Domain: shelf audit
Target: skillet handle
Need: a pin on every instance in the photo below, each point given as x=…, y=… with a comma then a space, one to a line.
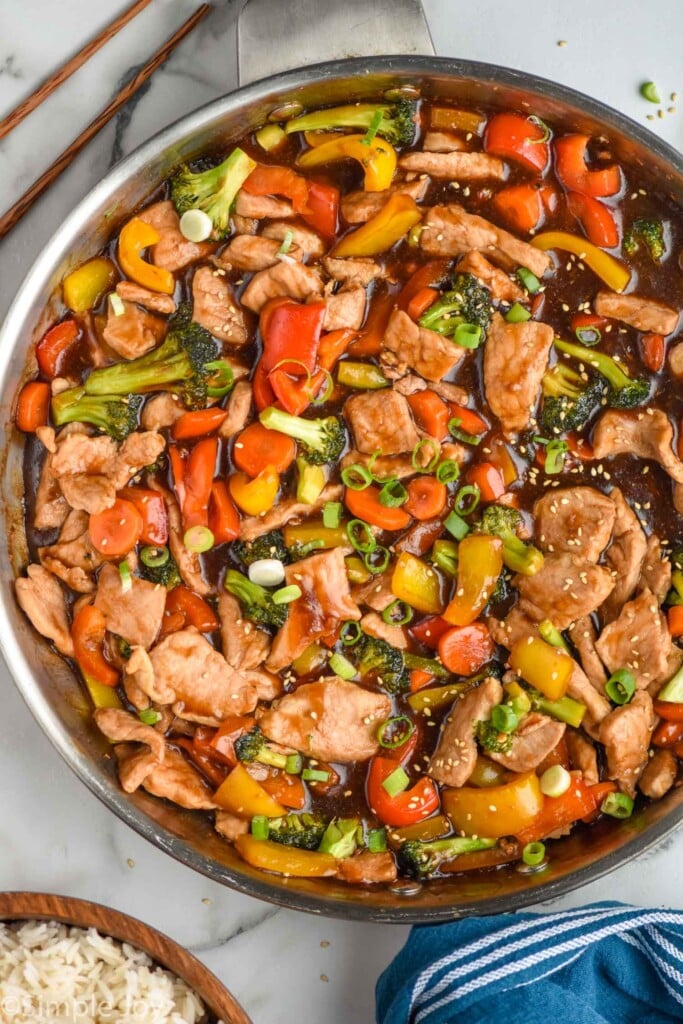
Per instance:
x=277, y=35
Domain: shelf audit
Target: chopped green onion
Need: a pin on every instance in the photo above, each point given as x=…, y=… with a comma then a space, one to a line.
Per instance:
x=552, y=635
x=314, y=775
x=285, y=595
x=325, y=395
x=361, y=536
x=517, y=314
x=377, y=840
x=356, y=477
x=195, y=225
x=371, y=466
x=294, y=764
x=534, y=119
x=504, y=719
x=461, y=504
x=350, y=634
x=555, y=454
x=445, y=556
x=117, y=305
x=342, y=667
x=332, y=514
x=311, y=545
x=397, y=782
x=369, y=136
x=222, y=378
x=447, y=472
x=149, y=716
x=461, y=435
x=259, y=826
x=414, y=235
x=588, y=336
x=456, y=526
x=650, y=92
x=395, y=732
x=198, y=539
x=617, y=805
x=426, y=441
x=533, y=854
x=126, y=577
x=620, y=686
x=393, y=494
x=468, y=335
x=286, y=243
x=529, y=280
x=555, y=781
x=400, y=609
x=154, y=558
x=376, y=560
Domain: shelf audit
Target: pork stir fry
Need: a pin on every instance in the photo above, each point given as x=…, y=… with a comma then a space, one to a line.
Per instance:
x=353, y=482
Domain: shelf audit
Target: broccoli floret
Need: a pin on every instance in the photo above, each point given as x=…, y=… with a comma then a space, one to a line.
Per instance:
x=466, y=302
x=185, y=361
x=384, y=664
x=321, y=440
x=116, y=415
x=649, y=231
x=503, y=522
x=422, y=859
x=493, y=739
x=304, y=831
x=252, y=746
x=269, y=545
x=214, y=190
x=397, y=125
x=569, y=399
x=257, y=603
x=623, y=392
x=341, y=837
x=167, y=575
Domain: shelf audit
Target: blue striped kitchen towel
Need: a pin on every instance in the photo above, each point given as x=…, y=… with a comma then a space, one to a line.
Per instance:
x=603, y=964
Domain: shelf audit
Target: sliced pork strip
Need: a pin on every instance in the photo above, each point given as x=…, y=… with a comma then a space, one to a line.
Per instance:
x=287, y=511
x=565, y=589
x=82, y=465
x=360, y=270
x=51, y=508
x=214, y=307
x=625, y=735
x=515, y=359
x=582, y=756
x=583, y=635
x=376, y=593
x=345, y=309
x=188, y=562
x=308, y=240
x=655, y=574
x=358, y=207
x=42, y=599
x=254, y=252
x=262, y=207
x=516, y=626
x=245, y=646
x=637, y=311
x=325, y=602
x=581, y=689
x=177, y=781
x=454, y=166
x=407, y=345
x=161, y=411
x=374, y=625
x=531, y=743
x=134, y=332
x=173, y=251
x=577, y=520
x=134, y=765
x=121, y=727
x=658, y=775
x=645, y=434
x=73, y=558
x=638, y=640
x=453, y=761
x=331, y=720
x=366, y=868
x=238, y=410
x=502, y=287
x=624, y=557
x=156, y=301
x=230, y=826
x=135, y=614
x=410, y=383
x=452, y=231
x=141, y=448
x=292, y=280
x=381, y=420
x=442, y=142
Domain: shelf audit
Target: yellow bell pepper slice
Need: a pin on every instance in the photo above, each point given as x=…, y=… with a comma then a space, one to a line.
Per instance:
x=136, y=236
x=423, y=831
x=399, y=214
x=615, y=275
x=378, y=158
x=494, y=811
x=102, y=696
x=416, y=583
x=244, y=796
x=285, y=860
x=480, y=563
x=84, y=286
x=257, y=495
x=313, y=532
x=546, y=668
x=448, y=119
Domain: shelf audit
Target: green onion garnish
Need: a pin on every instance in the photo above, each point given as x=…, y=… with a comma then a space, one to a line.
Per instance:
x=461, y=435
x=468, y=335
x=198, y=539
x=534, y=119
x=350, y=634
x=286, y=243
x=154, y=558
x=361, y=536
x=397, y=782
x=395, y=732
x=117, y=305
x=504, y=719
x=314, y=775
x=588, y=336
x=620, y=686
x=529, y=280
x=294, y=764
x=426, y=441
x=259, y=826
x=551, y=634
x=650, y=92
x=533, y=854
x=126, y=577
x=311, y=545
x=369, y=136
x=332, y=514
x=285, y=595
x=555, y=454
x=447, y=472
x=377, y=840
x=371, y=466
x=149, y=716
x=376, y=560
x=393, y=494
x=517, y=314
x=326, y=394
x=342, y=667
x=617, y=805
x=456, y=526
x=398, y=613
x=356, y=477
x=467, y=500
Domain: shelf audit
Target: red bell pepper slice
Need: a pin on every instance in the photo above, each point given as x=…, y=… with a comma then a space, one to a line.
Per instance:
x=578, y=802
x=291, y=331
x=429, y=275
x=197, y=481
x=670, y=710
x=53, y=345
x=322, y=208
x=221, y=745
x=654, y=351
x=224, y=518
x=430, y=631
x=214, y=773
x=413, y=805
x=573, y=173
x=87, y=632
x=278, y=181
x=294, y=396
x=152, y=507
x=489, y=479
x=333, y=345
x=515, y=137
x=261, y=388
x=596, y=219
x=181, y=601
x=521, y=206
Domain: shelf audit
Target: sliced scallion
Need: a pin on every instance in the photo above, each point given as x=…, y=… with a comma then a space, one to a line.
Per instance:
x=588, y=335
x=377, y=840
x=294, y=764
x=285, y=595
x=315, y=775
x=447, y=472
x=126, y=577
x=395, y=732
x=342, y=667
x=467, y=500
x=424, y=443
x=617, y=805
x=529, y=280
x=397, y=782
x=377, y=560
x=369, y=136
x=332, y=514
x=620, y=686
x=504, y=719
x=393, y=494
x=259, y=826
x=468, y=335
x=398, y=613
x=445, y=556
x=350, y=634
x=650, y=92
x=149, y=716
x=286, y=243
x=198, y=539
x=555, y=455
x=356, y=477
x=361, y=536
x=154, y=558
x=456, y=526
x=461, y=435
x=533, y=854
x=517, y=314
x=545, y=137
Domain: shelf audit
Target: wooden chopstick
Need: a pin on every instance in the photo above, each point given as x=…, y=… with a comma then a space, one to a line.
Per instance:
x=22, y=205
x=47, y=87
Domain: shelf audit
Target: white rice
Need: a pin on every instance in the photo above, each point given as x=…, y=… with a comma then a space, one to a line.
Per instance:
x=55, y=974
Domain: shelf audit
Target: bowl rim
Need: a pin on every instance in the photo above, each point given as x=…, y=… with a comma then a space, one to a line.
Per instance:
x=10, y=334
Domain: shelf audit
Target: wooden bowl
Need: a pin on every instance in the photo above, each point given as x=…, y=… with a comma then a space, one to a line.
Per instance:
x=37, y=906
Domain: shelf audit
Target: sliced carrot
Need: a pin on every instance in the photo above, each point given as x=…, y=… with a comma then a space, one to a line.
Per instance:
x=369, y=340
x=470, y=421
x=489, y=479
x=464, y=649
x=53, y=345
x=654, y=351
x=333, y=345
x=257, y=447
x=152, y=507
x=674, y=617
x=366, y=505
x=195, y=424
x=421, y=302
x=521, y=207
x=419, y=679
x=430, y=412
x=87, y=632
x=427, y=497
x=224, y=518
x=197, y=480
x=33, y=407
x=117, y=530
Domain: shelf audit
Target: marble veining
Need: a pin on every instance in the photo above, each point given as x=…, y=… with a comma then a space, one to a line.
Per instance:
x=54, y=836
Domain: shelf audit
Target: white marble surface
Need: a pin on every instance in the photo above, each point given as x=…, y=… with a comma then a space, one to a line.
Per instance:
x=54, y=836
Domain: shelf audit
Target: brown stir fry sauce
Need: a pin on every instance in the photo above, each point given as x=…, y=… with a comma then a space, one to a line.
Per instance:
x=353, y=491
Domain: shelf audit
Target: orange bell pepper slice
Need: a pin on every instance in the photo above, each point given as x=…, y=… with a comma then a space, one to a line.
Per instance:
x=495, y=811
x=257, y=495
x=135, y=237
